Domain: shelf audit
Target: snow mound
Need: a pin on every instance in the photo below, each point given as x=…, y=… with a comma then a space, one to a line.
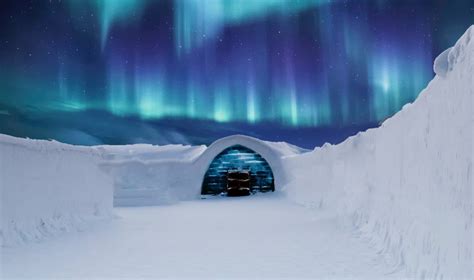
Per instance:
x=48, y=187
x=285, y=148
x=448, y=59
x=406, y=187
x=441, y=65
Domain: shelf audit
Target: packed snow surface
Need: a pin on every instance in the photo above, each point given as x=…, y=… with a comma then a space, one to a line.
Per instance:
x=262, y=236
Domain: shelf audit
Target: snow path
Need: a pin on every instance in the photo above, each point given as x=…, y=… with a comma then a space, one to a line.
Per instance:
x=263, y=236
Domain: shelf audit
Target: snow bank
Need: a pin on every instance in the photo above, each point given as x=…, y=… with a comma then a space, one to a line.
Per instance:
x=47, y=187
x=407, y=186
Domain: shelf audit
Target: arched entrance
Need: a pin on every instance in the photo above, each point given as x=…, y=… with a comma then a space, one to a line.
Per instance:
x=238, y=157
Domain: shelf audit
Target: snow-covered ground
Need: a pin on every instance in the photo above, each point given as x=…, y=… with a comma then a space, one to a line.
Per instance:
x=263, y=236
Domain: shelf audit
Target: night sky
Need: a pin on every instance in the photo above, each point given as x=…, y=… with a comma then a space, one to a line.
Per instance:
x=190, y=71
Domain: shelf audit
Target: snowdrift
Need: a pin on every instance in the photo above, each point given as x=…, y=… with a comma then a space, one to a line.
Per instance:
x=407, y=185
x=47, y=187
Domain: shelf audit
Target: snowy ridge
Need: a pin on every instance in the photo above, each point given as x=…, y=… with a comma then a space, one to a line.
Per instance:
x=286, y=149
x=448, y=59
x=48, y=187
x=406, y=187
x=44, y=145
x=148, y=152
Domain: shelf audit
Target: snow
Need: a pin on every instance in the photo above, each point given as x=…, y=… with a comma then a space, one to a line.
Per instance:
x=448, y=59
x=147, y=152
x=147, y=175
x=262, y=236
x=47, y=188
x=407, y=186
x=395, y=201
x=441, y=65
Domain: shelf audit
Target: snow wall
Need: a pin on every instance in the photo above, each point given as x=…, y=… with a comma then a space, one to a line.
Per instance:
x=47, y=187
x=156, y=175
x=151, y=175
x=406, y=186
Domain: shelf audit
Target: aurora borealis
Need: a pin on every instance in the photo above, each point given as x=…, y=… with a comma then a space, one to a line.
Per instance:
x=289, y=63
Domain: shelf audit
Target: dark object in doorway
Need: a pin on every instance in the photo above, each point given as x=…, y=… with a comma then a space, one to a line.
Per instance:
x=238, y=183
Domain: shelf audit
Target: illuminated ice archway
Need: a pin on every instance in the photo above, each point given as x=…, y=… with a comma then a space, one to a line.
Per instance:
x=269, y=154
x=238, y=157
x=177, y=172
